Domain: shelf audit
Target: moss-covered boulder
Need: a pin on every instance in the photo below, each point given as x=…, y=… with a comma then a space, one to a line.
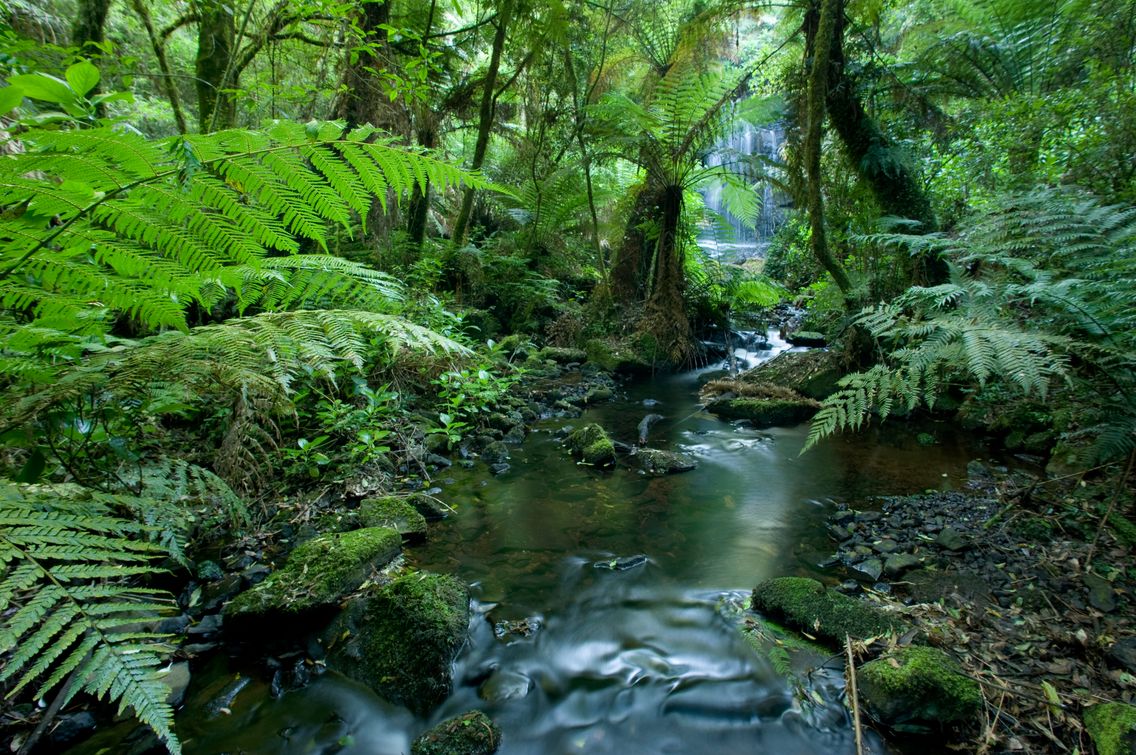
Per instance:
x=623, y=357
x=811, y=373
x=764, y=412
x=592, y=444
x=918, y=689
x=1112, y=727
x=806, y=338
x=395, y=513
x=318, y=574
x=562, y=355
x=805, y=604
x=470, y=733
x=656, y=462
x=401, y=639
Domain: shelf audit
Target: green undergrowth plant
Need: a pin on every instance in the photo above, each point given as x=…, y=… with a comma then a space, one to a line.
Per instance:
x=74, y=609
x=1043, y=290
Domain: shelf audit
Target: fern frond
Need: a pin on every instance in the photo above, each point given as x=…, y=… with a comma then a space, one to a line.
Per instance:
x=65, y=564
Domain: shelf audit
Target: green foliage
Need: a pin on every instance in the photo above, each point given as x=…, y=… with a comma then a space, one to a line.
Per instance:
x=73, y=618
x=1036, y=280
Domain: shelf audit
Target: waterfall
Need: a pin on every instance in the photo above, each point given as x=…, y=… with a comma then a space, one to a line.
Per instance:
x=747, y=143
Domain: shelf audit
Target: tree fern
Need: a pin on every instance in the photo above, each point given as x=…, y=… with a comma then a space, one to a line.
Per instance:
x=1036, y=279
x=71, y=614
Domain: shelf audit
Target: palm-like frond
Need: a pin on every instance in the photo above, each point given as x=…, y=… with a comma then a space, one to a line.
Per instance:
x=71, y=614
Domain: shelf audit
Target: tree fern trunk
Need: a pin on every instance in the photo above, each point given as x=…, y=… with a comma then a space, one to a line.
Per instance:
x=629, y=270
x=666, y=318
x=216, y=38
x=485, y=119
x=90, y=24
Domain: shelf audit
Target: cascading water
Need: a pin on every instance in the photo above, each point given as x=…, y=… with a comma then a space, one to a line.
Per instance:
x=745, y=149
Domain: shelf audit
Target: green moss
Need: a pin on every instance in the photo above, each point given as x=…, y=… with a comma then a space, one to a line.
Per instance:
x=621, y=356
x=1112, y=727
x=592, y=445
x=561, y=355
x=806, y=605
x=393, y=512
x=764, y=412
x=319, y=573
x=810, y=373
x=468, y=734
x=918, y=689
x=402, y=638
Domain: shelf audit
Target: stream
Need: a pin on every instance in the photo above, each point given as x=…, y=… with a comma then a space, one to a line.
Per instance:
x=568, y=656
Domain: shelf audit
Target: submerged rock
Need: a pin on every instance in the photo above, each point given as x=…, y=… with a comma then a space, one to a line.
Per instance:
x=1112, y=727
x=764, y=412
x=592, y=444
x=395, y=513
x=621, y=564
x=401, y=638
x=918, y=689
x=806, y=605
x=318, y=574
x=470, y=733
x=656, y=462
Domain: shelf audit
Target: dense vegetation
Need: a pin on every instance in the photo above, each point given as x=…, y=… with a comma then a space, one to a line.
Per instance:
x=251, y=249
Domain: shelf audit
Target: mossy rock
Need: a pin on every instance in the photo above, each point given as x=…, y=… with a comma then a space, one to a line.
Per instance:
x=810, y=373
x=318, y=574
x=592, y=444
x=393, y=512
x=470, y=733
x=918, y=689
x=764, y=412
x=428, y=506
x=516, y=345
x=656, y=462
x=1112, y=727
x=562, y=355
x=807, y=338
x=623, y=357
x=806, y=605
x=401, y=638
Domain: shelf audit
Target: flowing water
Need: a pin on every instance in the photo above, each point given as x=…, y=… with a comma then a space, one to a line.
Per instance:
x=629, y=661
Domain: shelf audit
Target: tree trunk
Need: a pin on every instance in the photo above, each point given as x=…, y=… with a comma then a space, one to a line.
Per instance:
x=419, y=208
x=485, y=121
x=361, y=98
x=631, y=266
x=216, y=37
x=90, y=24
x=159, y=48
x=665, y=317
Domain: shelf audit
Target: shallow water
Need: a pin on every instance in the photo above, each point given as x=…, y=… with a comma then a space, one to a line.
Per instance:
x=635, y=661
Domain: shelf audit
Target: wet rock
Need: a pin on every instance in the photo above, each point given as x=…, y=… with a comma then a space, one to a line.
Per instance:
x=174, y=625
x=215, y=594
x=592, y=445
x=885, y=546
x=598, y=395
x=1123, y=654
x=500, y=468
x=69, y=729
x=517, y=629
x=868, y=516
x=918, y=689
x=952, y=540
x=208, y=625
x=429, y=506
x=470, y=733
x=764, y=412
x=838, y=533
x=621, y=564
x=621, y=356
x=562, y=355
x=396, y=513
x=805, y=604
x=438, y=461
x=845, y=517
x=505, y=685
x=401, y=638
x=1101, y=596
x=514, y=437
x=1112, y=727
x=868, y=570
x=656, y=462
x=899, y=563
x=806, y=338
x=176, y=677
x=318, y=574
x=495, y=452
x=811, y=373
x=255, y=574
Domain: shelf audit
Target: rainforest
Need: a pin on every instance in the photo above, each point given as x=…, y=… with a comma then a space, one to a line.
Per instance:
x=453, y=377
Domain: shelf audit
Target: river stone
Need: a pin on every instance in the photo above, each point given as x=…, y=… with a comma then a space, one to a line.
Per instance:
x=806, y=605
x=470, y=733
x=1112, y=727
x=592, y=445
x=495, y=452
x=1123, y=654
x=401, y=638
x=918, y=689
x=176, y=677
x=562, y=355
x=429, y=506
x=393, y=512
x=621, y=564
x=898, y=563
x=952, y=540
x=504, y=685
x=869, y=570
x=1100, y=593
x=656, y=462
x=806, y=338
x=810, y=373
x=318, y=574
x=764, y=412
x=885, y=546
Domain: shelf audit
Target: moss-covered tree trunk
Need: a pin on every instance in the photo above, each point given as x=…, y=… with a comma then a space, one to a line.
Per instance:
x=216, y=38
x=361, y=97
x=665, y=318
x=631, y=266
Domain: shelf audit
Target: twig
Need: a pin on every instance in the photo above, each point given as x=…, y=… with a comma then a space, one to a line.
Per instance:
x=1111, y=507
x=852, y=694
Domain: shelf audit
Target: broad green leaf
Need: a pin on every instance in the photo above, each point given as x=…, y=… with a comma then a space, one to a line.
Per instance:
x=83, y=77
x=10, y=98
x=40, y=86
